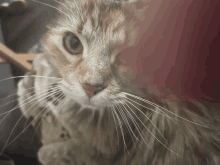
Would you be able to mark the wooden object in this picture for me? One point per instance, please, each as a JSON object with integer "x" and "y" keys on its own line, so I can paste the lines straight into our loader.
{"x": 22, "y": 61}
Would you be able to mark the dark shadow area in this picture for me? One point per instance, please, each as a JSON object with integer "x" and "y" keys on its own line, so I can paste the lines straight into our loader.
{"x": 25, "y": 146}
{"x": 21, "y": 27}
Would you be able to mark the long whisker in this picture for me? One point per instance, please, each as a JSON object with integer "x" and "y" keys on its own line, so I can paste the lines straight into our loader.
{"x": 126, "y": 121}
{"x": 64, "y": 6}
{"x": 24, "y": 101}
{"x": 58, "y": 112}
{"x": 60, "y": 96}
{"x": 17, "y": 99}
{"x": 43, "y": 93}
{"x": 65, "y": 101}
{"x": 52, "y": 7}
{"x": 137, "y": 126}
{"x": 115, "y": 124}
{"x": 11, "y": 133}
{"x": 40, "y": 121}
{"x": 163, "y": 113}
{"x": 149, "y": 120}
{"x": 26, "y": 94}
{"x": 155, "y": 136}
{"x": 120, "y": 125}
{"x": 38, "y": 93}
{"x": 150, "y": 108}
{"x": 8, "y": 112}
{"x": 30, "y": 76}
{"x": 8, "y": 96}
{"x": 16, "y": 108}
{"x": 59, "y": 106}
{"x": 155, "y": 105}
{"x": 127, "y": 125}
{"x": 113, "y": 114}
{"x": 27, "y": 126}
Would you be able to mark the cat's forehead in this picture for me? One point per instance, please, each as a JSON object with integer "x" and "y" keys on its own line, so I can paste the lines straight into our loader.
{"x": 96, "y": 20}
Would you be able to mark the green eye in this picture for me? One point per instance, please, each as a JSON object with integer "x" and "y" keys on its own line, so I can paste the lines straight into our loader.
{"x": 72, "y": 44}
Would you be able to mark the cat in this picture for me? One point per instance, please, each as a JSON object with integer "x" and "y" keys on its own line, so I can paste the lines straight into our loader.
{"x": 113, "y": 116}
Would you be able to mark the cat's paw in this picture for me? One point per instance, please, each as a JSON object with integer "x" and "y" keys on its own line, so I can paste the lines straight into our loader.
{"x": 57, "y": 154}
{"x": 65, "y": 153}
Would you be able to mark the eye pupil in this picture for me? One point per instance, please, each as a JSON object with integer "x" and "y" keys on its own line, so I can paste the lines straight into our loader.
{"x": 74, "y": 42}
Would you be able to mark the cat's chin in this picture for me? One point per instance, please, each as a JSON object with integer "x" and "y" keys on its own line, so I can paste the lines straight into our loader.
{"x": 97, "y": 103}
{"x": 101, "y": 100}
{"x": 94, "y": 102}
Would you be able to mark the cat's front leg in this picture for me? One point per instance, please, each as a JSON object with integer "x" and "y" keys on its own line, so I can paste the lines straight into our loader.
{"x": 65, "y": 153}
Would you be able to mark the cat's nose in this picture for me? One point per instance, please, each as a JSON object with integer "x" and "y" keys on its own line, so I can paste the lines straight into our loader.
{"x": 92, "y": 89}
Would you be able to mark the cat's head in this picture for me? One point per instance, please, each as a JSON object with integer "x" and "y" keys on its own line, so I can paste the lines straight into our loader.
{"x": 93, "y": 45}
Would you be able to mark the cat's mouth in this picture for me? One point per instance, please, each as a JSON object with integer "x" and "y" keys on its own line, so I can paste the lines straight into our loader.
{"x": 79, "y": 95}
{"x": 98, "y": 98}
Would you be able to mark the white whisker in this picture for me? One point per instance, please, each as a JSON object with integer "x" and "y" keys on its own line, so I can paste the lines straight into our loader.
{"x": 20, "y": 105}
{"x": 150, "y": 109}
{"x": 27, "y": 126}
{"x": 149, "y": 120}
{"x": 137, "y": 127}
{"x": 35, "y": 95}
{"x": 52, "y": 7}
{"x": 23, "y": 95}
{"x": 155, "y": 105}
{"x": 39, "y": 97}
{"x": 128, "y": 125}
{"x": 115, "y": 123}
{"x": 61, "y": 95}
{"x": 155, "y": 136}
{"x": 120, "y": 125}
{"x": 40, "y": 121}
{"x": 8, "y": 96}
{"x": 64, "y": 6}
{"x": 30, "y": 76}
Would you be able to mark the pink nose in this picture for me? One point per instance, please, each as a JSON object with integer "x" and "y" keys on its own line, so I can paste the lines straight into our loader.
{"x": 91, "y": 90}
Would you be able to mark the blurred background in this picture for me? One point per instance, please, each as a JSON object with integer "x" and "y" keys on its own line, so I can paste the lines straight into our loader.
{"x": 21, "y": 28}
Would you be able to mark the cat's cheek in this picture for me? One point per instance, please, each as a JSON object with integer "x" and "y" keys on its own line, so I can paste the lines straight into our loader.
{"x": 126, "y": 71}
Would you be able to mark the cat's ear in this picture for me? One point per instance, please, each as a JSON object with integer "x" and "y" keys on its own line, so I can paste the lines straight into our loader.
{"x": 139, "y": 16}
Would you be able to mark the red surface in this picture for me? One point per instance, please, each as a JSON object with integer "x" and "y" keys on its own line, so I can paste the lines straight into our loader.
{"x": 181, "y": 49}
{"x": 190, "y": 50}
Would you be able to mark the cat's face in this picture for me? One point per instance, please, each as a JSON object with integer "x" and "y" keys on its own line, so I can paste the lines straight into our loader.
{"x": 87, "y": 43}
